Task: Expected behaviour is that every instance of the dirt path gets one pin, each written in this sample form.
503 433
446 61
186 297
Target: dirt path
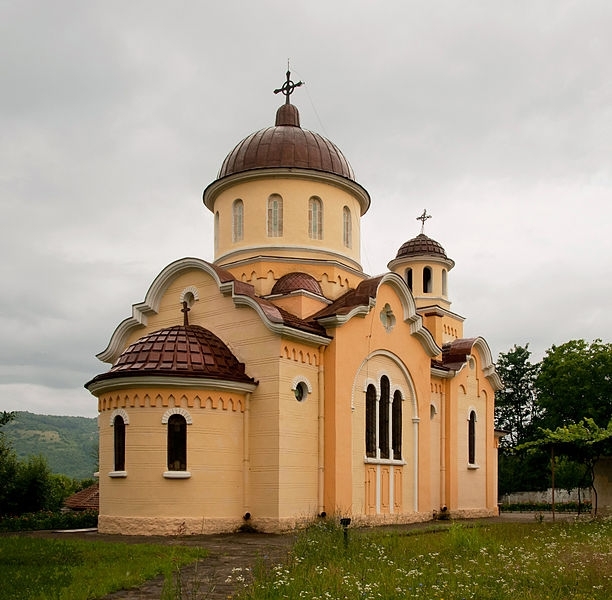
226 568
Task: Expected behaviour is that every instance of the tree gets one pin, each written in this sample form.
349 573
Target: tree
516 408
516 412
584 442
575 382
8 465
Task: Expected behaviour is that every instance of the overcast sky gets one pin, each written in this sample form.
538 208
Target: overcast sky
114 116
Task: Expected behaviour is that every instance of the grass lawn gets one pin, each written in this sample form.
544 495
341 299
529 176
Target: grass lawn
528 561
37 568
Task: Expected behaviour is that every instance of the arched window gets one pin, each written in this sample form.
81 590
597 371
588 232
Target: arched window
275 216
472 438
370 430
237 220
119 443
383 417
347 227
409 277
396 425
177 443
444 284
427 280
315 218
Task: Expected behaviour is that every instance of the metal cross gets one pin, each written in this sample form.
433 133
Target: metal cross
288 87
185 310
423 218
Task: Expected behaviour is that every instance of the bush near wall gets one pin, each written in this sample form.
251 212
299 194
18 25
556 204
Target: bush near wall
585 507
49 520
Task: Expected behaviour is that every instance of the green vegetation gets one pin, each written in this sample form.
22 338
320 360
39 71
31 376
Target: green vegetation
69 444
554 414
528 561
40 569
49 520
28 485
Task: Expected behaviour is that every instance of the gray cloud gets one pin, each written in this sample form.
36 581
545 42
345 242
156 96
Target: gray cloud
114 116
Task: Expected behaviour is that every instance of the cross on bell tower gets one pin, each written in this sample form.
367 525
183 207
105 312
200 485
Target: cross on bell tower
423 218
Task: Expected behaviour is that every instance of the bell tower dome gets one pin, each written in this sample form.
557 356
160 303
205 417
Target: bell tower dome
286 200
423 264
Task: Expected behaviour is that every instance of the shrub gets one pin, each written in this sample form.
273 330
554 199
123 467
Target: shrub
49 520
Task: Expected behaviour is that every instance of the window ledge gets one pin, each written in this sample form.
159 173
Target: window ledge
383 461
473 466
117 474
177 474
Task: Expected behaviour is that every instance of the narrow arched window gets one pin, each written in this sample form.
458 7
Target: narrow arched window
383 417
275 216
237 220
444 284
427 280
409 278
119 443
370 428
472 438
347 227
177 443
396 425
315 218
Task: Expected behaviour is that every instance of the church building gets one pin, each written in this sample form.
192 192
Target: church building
279 383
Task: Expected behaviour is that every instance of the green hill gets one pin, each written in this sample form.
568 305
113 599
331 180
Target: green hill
70 444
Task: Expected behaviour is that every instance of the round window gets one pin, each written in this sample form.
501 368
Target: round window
300 392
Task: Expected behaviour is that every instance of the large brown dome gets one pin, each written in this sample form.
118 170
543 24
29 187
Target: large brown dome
421 245
183 351
286 145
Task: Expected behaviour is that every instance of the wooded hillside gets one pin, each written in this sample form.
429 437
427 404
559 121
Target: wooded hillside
70 444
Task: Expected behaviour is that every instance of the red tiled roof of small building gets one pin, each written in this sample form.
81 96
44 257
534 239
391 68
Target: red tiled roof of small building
87 499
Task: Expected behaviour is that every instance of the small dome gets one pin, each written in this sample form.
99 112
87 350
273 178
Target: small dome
297 281
183 351
286 145
421 245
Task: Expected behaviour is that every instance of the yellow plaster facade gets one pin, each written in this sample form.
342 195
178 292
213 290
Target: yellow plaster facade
349 395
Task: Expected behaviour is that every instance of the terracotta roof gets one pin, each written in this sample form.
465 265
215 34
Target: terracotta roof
455 353
360 296
188 351
286 145
87 499
421 245
292 282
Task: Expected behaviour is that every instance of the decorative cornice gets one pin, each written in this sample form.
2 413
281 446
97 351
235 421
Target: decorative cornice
341 260
160 381
347 185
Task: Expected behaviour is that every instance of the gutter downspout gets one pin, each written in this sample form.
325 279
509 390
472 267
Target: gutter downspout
321 432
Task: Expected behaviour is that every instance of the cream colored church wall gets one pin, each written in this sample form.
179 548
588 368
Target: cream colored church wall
299 431
436 455
252 343
474 484
214 455
295 194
